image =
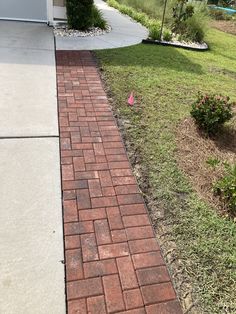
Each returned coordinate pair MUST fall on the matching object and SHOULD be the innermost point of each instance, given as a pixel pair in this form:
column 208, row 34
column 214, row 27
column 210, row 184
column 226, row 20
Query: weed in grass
column 226, row 188
column 213, row 162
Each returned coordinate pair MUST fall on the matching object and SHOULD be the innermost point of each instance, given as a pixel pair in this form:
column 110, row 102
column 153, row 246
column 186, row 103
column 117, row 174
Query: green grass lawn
column 166, row 81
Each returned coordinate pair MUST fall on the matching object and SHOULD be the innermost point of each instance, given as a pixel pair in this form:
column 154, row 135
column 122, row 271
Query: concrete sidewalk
column 125, row 32
column 31, row 234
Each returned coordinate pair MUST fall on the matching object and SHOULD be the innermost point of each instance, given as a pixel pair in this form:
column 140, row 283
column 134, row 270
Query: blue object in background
column 227, row 10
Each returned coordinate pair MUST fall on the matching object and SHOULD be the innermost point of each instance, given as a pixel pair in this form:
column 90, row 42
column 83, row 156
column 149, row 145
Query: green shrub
column 167, row 35
column 187, row 20
column 194, row 30
column 226, row 189
column 79, row 14
column 211, row 111
column 155, row 32
column 191, row 24
column 98, row 20
column 181, row 13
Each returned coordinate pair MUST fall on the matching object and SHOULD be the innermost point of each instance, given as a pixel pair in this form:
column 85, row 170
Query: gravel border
column 178, row 44
column 64, row 31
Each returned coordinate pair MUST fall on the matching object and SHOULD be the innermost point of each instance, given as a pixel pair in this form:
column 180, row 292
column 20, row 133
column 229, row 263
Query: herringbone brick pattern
column 113, row 262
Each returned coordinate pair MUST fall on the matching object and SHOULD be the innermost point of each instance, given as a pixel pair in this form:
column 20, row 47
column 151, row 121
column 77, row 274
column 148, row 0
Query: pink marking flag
column 131, row 99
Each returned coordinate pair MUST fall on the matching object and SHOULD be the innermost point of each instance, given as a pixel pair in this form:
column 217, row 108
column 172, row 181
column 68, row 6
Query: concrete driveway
column 28, row 103
column 31, row 234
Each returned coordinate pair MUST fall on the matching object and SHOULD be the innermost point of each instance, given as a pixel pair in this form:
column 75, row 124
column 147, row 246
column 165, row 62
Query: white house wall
column 33, row 10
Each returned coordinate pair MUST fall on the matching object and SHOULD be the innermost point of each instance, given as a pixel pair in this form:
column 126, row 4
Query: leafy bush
column 211, row 111
column 83, row 14
column 79, row 14
column 98, row 20
column 167, row 35
column 226, row 188
column 194, row 29
column 155, row 32
column 181, row 13
column 190, row 21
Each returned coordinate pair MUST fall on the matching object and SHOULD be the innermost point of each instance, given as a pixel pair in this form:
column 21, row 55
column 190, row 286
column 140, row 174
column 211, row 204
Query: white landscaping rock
column 64, row 31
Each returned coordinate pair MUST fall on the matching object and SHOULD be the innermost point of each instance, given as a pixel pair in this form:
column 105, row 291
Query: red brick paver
column 113, row 262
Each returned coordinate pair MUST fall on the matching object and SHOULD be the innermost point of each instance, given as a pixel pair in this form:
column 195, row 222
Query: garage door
column 32, row 10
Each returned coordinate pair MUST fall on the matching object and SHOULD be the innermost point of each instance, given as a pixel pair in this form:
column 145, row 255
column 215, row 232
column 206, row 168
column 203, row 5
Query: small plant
column 194, row 30
column 181, row 13
column 155, row 32
column 79, row 14
column 167, row 35
column 226, row 188
column 213, row 162
column 211, row 111
column 98, row 20
column 190, row 20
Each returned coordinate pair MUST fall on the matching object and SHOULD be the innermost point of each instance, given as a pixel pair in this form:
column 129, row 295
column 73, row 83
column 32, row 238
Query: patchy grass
column 225, row 26
column 165, row 81
column 196, row 153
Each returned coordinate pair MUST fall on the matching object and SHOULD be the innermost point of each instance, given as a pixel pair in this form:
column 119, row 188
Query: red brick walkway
column 113, row 262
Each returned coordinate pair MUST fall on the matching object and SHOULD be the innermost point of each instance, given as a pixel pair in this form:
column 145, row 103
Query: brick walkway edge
column 113, row 262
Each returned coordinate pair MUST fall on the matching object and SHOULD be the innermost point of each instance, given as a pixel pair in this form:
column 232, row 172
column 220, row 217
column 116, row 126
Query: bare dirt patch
column 194, row 149
column 225, row 26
